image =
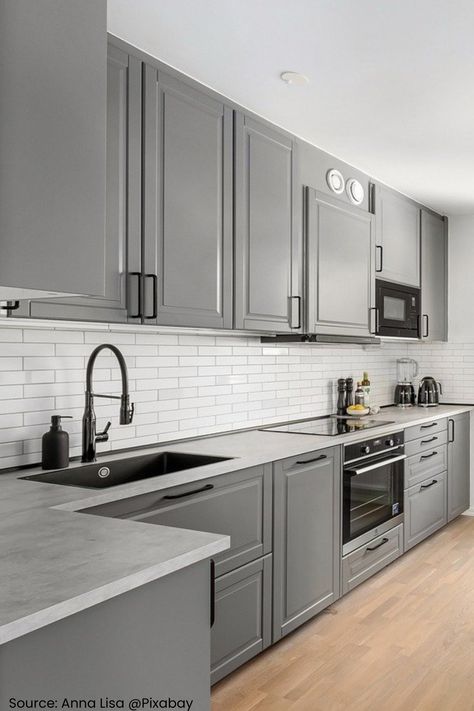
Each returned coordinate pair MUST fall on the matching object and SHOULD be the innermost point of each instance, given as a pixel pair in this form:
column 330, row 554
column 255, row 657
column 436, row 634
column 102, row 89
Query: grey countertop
column 55, row 561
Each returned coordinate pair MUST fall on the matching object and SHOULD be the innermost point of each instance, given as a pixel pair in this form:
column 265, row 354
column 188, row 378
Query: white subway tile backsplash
column 189, row 384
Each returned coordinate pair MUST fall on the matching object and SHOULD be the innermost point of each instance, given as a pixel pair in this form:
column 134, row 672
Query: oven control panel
column 376, row 445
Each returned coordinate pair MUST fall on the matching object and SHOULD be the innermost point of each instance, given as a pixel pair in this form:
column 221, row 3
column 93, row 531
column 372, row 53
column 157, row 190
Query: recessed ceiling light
column 294, row 78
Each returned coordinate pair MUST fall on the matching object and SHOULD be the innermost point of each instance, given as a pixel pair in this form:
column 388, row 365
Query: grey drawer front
column 430, row 441
column 239, row 505
column 242, row 627
column 426, row 429
column 306, row 458
column 425, row 509
column 362, row 563
column 427, row 463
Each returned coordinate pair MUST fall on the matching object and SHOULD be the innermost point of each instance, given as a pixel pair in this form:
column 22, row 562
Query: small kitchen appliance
column 407, row 369
column 429, row 392
column 397, row 309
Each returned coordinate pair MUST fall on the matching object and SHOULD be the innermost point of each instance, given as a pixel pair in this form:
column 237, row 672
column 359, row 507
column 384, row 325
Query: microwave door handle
column 383, row 463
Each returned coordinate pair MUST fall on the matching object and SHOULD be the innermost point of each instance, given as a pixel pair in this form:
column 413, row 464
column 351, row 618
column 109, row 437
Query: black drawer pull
column 427, row 441
column 208, row 487
column 427, row 427
column 427, row 486
column 212, row 614
column 428, row 456
column 378, row 545
column 308, row 461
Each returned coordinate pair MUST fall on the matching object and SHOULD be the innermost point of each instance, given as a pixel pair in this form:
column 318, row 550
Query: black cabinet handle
column 378, row 545
column 452, row 430
column 11, row 306
column 308, row 461
column 298, row 298
column 427, row 486
column 207, row 487
column 139, row 313
column 427, row 441
column 376, row 330
column 380, row 269
column 212, row 614
column 154, row 278
column 428, row 456
column 427, row 324
column 427, row 427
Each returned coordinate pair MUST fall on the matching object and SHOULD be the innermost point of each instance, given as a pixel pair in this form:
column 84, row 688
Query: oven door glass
column 373, row 494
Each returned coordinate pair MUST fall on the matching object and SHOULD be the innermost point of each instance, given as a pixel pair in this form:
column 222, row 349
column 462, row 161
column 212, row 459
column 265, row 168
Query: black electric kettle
column 429, row 392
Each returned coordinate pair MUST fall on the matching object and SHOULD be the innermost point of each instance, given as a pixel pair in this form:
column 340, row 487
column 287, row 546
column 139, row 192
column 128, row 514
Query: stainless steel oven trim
column 381, row 463
column 369, row 536
column 367, row 457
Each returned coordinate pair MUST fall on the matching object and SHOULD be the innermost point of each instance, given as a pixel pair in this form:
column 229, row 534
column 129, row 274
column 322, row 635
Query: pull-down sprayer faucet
column 89, row 435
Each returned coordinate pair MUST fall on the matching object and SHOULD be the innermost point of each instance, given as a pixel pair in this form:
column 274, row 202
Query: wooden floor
column 403, row 640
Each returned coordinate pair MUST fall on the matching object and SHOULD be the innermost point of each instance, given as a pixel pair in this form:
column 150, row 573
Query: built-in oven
column 397, row 310
column 373, row 477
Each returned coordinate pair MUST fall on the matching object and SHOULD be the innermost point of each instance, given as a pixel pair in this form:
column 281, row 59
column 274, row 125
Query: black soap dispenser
column 55, row 445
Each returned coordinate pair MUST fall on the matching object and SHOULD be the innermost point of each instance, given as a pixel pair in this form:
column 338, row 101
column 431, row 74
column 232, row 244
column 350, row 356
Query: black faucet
column 89, row 435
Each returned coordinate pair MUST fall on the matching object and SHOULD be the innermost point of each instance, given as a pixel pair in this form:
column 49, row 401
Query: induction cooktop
column 329, row 426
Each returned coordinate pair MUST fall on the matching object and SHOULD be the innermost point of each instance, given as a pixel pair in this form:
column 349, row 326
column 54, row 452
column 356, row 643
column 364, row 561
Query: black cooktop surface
column 330, row 426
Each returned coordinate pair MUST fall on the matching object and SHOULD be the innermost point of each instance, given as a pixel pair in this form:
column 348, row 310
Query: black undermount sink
column 101, row 475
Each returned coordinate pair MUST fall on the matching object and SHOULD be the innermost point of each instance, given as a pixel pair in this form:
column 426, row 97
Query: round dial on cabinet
column 365, row 449
column 390, row 442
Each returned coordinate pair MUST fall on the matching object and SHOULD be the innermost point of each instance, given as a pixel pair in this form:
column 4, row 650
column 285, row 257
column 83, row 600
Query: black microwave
column 398, row 309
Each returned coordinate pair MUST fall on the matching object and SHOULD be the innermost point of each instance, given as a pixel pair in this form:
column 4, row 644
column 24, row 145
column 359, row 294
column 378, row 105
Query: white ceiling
column 392, row 81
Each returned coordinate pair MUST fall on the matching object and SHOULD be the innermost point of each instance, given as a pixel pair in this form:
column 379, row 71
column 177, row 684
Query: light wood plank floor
column 402, row 641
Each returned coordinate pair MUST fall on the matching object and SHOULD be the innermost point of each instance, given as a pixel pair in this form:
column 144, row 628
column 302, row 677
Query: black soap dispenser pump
column 55, row 445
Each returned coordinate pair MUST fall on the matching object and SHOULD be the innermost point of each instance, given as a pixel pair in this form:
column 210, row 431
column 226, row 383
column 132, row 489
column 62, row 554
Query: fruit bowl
column 355, row 411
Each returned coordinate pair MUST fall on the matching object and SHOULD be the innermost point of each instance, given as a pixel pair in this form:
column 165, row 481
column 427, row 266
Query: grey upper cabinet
column 123, row 206
column 340, row 269
column 52, row 147
column 267, row 296
column 306, row 543
column 458, row 464
column 397, row 236
column 433, row 277
column 187, row 201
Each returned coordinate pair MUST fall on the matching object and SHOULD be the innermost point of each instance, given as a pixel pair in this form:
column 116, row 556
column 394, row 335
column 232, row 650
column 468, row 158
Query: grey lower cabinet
column 122, row 249
column 425, row 509
column 397, row 220
column 243, row 616
column 433, row 277
column 52, row 147
column 340, row 268
column 267, row 247
column 458, row 464
column 307, row 521
column 187, row 204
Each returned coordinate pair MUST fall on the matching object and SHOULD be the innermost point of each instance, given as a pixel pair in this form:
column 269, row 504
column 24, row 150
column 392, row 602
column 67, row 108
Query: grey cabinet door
column 306, row 538
column 52, row 147
column 398, row 237
column 243, row 614
column 266, row 243
column 425, row 509
column 123, row 207
column 187, row 192
column 238, row 504
column 340, row 278
column 433, row 277
column 459, row 464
